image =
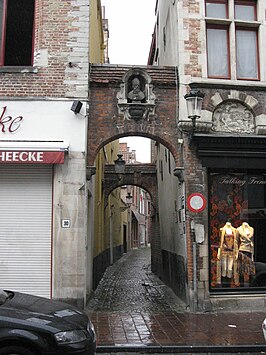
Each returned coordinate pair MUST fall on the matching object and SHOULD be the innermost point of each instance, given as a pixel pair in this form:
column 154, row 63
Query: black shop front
column 236, row 170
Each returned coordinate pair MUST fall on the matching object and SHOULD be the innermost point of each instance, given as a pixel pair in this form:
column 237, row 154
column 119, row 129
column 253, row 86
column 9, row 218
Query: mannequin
column 227, row 254
column 246, row 266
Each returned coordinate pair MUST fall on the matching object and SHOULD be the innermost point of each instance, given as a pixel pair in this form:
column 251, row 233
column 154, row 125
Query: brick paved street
column 130, row 286
column 133, row 311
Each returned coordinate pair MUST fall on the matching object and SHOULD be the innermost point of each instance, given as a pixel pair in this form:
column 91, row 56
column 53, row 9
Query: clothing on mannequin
column 227, row 255
column 246, row 266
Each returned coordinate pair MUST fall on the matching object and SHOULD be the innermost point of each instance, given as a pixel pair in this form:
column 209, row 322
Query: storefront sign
column 8, row 123
column 196, row 202
column 252, row 180
column 31, row 157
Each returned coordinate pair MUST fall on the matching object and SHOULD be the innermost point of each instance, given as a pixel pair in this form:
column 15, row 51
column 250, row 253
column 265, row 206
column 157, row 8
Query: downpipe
column 195, row 279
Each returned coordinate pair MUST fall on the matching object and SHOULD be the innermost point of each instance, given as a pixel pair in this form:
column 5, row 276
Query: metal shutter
column 25, row 228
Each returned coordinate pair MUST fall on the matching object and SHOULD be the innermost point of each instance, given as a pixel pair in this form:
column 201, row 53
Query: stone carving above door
column 136, row 99
column 233, row 117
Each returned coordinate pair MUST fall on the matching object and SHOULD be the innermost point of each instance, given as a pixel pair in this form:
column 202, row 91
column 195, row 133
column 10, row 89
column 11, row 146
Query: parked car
column 264, row 328
column 259, row 279
column 31, row 325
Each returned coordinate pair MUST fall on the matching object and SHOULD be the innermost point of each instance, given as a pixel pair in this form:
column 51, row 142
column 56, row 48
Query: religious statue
column 136, row 95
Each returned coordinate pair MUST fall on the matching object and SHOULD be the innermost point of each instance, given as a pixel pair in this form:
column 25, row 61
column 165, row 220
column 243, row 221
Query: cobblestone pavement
column 130, row 286
column 134, row 312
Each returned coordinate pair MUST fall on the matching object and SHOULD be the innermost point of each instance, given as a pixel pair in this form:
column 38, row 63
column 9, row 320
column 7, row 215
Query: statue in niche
column 233, row 117
column 136, row 95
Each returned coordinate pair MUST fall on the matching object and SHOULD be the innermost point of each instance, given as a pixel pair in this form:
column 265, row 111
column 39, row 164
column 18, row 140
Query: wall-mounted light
column 76, row 106
column 120, row 164
column 194, row 104
column 129, row 199
column 179, row 173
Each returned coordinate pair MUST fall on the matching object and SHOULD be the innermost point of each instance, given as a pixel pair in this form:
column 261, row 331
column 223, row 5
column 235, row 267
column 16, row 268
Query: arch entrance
column 130, row 101
column 142, row 175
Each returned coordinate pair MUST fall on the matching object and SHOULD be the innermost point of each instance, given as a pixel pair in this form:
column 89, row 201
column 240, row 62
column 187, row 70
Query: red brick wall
column 105, row 122
column 55, row 29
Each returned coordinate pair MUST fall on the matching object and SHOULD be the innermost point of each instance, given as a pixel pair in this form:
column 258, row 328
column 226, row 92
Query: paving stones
column 133, row 311
column 129, row 285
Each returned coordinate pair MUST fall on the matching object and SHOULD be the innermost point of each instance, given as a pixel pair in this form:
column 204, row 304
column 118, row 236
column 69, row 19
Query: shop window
column 217, row 8
column 237, row 230
column 218, row 52
column 16, row 36
column 247, row 54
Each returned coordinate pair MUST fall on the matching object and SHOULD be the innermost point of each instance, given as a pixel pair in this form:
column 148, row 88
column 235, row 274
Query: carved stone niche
column 233, row 117
column 135, row 98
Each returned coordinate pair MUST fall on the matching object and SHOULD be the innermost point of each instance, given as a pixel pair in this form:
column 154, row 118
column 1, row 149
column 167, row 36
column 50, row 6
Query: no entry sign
column 196, row 202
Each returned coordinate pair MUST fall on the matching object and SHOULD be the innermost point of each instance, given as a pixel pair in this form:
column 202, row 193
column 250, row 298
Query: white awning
column 139, row 217
column 27, row 145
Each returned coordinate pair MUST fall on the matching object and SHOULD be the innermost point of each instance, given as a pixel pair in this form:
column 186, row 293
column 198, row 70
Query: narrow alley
column 130, row 286
column 132, row 310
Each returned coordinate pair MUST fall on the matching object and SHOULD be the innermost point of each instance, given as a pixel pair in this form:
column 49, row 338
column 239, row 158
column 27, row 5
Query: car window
column 3, row 296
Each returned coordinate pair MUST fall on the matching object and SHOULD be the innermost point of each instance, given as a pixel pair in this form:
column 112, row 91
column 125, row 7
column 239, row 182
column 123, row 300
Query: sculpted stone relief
column 233, row 117
column 135, row 98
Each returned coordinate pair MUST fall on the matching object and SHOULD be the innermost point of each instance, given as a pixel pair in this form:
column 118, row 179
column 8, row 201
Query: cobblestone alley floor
column 132, row 310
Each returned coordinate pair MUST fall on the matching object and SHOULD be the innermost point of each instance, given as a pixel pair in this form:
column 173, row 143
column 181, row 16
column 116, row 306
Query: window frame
column 3, row 35
column 252, row 3
column 249, row 29
column 225, row 2
column 221, row 27
column 232, row 24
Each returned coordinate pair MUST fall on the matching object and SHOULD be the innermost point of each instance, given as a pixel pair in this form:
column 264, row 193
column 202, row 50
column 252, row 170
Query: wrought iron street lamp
column 129, row 199
column 194, row 104
column 120, row 164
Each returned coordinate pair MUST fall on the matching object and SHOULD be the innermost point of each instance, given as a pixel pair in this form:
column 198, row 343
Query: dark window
column 17, row 21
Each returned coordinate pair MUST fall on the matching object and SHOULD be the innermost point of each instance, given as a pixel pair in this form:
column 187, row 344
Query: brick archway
column 106, row 122
column 142, row 175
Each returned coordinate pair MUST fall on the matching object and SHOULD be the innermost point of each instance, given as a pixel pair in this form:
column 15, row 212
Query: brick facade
column 60, row 67
column 105, row 122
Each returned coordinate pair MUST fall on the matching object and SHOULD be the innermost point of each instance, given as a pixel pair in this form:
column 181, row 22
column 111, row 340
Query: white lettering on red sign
column 8, row 123
column 6, row 156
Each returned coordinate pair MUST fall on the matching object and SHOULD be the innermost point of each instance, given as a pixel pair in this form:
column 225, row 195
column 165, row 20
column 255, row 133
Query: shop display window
column 237, row 216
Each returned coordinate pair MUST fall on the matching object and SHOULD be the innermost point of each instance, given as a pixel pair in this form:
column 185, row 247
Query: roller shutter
column 25, row 228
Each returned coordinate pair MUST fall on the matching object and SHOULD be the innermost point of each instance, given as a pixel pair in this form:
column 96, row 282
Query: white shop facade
column 43, row 204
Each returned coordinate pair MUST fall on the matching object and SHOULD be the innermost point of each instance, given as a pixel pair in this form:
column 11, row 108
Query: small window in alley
column 237, row 230
column 16, row 37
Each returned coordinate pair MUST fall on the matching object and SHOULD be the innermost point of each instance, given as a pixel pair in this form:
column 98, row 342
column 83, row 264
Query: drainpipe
column 195, row 279
column 111, row 236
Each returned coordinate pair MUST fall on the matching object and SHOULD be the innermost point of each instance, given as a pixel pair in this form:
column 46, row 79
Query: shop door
column 25, row 228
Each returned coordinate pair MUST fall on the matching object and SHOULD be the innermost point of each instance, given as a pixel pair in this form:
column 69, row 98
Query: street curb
column 146, row 349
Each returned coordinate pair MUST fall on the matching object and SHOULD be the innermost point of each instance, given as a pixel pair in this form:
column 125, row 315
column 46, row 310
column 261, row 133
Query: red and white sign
column 31, row 157
column 196, row 202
